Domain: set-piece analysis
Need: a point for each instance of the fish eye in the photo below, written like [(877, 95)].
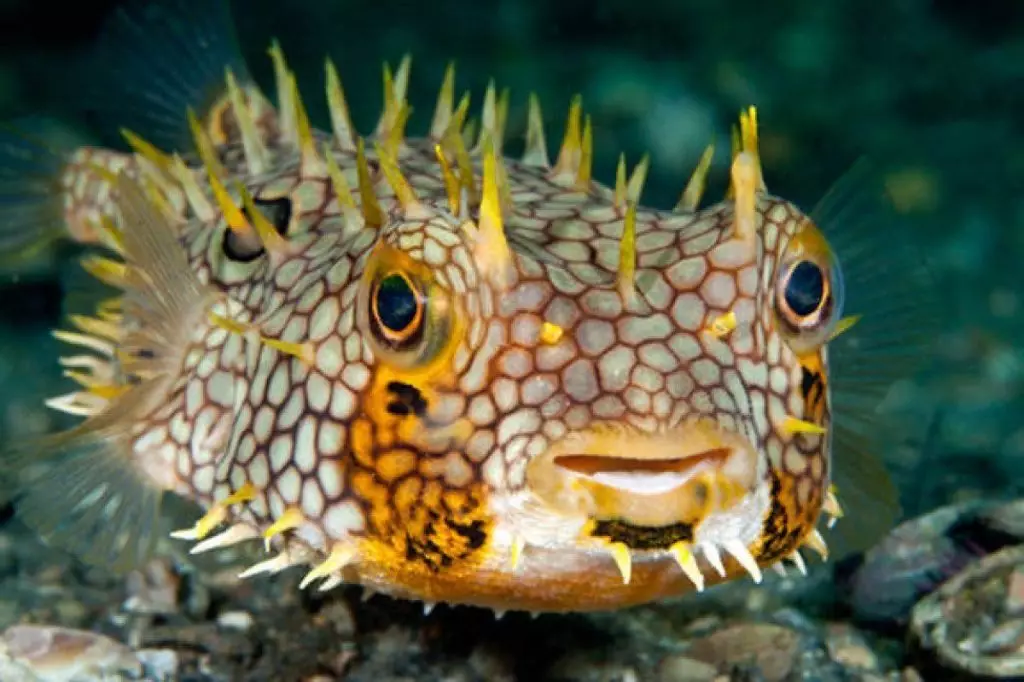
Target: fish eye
[(804, 300), (245, 248), (397, 310), (808, 291), (804, 290), (411, 321)]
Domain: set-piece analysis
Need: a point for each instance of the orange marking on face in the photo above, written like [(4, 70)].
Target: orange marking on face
[(407, 494), (366, 486), (816, 403), (394, 464), (362, 442)]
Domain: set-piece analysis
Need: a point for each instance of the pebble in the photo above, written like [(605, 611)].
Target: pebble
[(55, 654), (153, 589), (848, 647), (684, 669), (160, 665), (235, 620), (772, 649), (964, 626)]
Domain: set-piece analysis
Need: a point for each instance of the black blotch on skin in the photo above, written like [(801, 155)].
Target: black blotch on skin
[(473, 532), (812, 386), (277, 211), (809, 382), (643, 537), (778, 538), (428, 553), (407, 400)]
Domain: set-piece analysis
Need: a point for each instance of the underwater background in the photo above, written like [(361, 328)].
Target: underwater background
[(930, 91)]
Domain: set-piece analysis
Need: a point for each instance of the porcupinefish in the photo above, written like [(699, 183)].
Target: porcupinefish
[(423, 366)]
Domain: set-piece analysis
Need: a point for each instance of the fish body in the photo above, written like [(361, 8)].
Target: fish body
[(423, 366)]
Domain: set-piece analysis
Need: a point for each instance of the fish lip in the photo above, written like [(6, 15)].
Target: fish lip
[(617, 472), (644, 476)]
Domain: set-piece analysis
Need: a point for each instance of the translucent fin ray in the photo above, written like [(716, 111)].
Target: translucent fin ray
[(160, 58), (31, 194), (85, 488), (887, 282)]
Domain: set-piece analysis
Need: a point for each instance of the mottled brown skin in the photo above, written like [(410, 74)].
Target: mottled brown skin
[(430, 464)]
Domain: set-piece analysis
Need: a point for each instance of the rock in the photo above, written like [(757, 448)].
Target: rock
[(152, 589), (54, 654), (490, 663), (918, 555), (159, 664), (969, 626), (685, 669), (770, 649), (235, 620), (848, 647)]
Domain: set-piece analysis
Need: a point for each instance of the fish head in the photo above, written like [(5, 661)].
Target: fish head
[(518, 395), (690, 419)]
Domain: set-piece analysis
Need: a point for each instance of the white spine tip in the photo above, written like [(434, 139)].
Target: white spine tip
[(714, 558), (745, 559)]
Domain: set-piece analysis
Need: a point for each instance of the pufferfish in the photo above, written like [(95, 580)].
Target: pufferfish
[(420, 365)]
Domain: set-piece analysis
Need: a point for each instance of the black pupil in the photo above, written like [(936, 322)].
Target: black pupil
[(277, 211), (805, 288), (247, 249), (396, 303)]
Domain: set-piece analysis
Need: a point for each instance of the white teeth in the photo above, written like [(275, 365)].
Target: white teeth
[(233, 535), (642, 482), (428, 607), (713, 557), (742, 555), (798, 561)]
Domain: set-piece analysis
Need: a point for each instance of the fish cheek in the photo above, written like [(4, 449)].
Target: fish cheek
[(421, 519), (814, 388), (799, 478)]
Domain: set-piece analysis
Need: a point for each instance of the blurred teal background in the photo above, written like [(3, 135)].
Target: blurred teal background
[(929, 90)]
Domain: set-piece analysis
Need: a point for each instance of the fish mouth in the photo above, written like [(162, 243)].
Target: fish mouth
[(644, 476), (648, 480)]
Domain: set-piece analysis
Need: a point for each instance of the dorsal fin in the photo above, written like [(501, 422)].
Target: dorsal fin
[(157, 59)]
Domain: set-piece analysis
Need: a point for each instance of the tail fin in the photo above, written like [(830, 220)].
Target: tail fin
[(54, 188), (32, 185), (96, 489)]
